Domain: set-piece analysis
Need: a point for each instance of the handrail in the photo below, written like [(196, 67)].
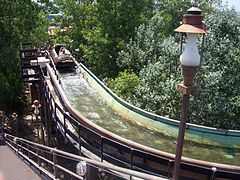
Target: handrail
[(31, 147)]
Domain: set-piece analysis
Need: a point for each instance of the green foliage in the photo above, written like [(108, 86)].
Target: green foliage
[(157, 91), (155, 59), (219, 77), (144, 49), (86, 32), (47, 6), (124, 84), (157, 88), (17, 21), (102, 28), (11, 92), (172, 12), (39, 35)]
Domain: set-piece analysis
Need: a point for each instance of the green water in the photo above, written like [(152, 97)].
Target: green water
[(86, 101)]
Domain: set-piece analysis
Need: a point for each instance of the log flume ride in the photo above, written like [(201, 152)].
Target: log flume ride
[(84, 129)]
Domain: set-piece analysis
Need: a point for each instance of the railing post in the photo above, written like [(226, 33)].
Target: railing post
[(48, 116), (38, 159), (16, 142), (64, 124), (131, 158), (55, 110), (101, 149), (79, 139), (213, 172), (131, 161), (54, 163), (169, 168), (46, 113)]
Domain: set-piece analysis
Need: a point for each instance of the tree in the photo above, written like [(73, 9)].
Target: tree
[(154, 57), (119, 20), (218, 104), (172, 11), (17, 21), (101, 29), (144, 48), (39, 35), (157, 87), (85, 32)]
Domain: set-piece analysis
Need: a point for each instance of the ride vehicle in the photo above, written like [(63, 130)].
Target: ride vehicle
[(61, 56)]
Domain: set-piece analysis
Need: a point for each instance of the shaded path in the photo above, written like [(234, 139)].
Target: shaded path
[(12, 167)]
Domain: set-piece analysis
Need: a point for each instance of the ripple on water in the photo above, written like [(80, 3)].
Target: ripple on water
[(85, 108), (93, 115), (118, 122), (85, 99), (229, 156)]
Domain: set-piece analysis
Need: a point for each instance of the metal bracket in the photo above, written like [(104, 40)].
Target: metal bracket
[(189, 90)]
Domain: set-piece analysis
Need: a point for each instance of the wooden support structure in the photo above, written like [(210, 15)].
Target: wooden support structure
[(30, 73)]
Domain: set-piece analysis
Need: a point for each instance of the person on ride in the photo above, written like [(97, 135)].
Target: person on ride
[(64, 51)]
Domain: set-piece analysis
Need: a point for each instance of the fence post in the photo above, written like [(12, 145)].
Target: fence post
[(169, 168), (15, 140), (46, 114), (49, 118), (213, 172), (38, 159), (131, 159), (55, 110), (54, 163), (79, 139), (64, 124), (101, 149)]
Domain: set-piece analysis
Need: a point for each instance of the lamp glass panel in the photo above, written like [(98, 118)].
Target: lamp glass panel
[(190, 56)]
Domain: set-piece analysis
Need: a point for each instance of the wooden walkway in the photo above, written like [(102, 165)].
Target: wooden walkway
[(12, 167)]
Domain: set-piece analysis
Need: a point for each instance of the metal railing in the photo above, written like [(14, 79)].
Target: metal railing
[(53, 163)]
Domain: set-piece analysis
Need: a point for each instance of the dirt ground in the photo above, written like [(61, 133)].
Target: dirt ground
[(26, 127)]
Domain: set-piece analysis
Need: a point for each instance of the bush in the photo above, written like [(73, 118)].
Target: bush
[(124, 85)]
